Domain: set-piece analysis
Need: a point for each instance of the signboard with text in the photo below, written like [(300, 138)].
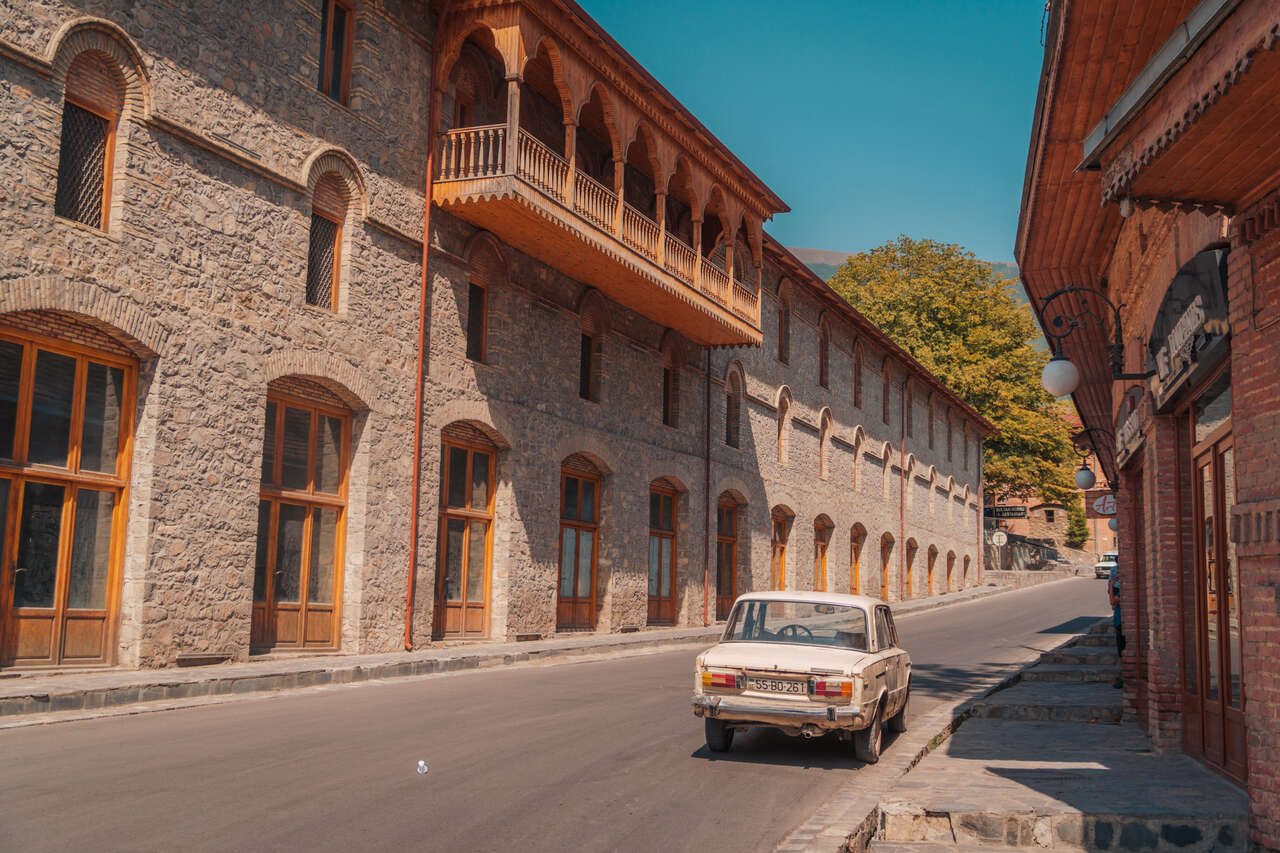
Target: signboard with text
[(1099, 503), (1005, 512)]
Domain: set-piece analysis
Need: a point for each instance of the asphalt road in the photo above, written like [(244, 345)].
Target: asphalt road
[(579, 756)]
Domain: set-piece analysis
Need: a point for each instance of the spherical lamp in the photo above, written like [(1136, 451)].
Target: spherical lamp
[(1085, 478), (1060, 377), (1113, 524)]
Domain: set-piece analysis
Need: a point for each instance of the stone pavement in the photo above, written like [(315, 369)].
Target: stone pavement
[(29, 697), (1044, 764)]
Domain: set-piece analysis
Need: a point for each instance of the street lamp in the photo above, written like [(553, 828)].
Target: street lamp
[(1060, 376), (1085, 477), (1085, 446)]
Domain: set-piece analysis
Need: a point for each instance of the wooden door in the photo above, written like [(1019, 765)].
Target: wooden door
[(778, 561), (579, 532), (465, 540), (662, 556), (65, 438), (301, 525), (726, 558)]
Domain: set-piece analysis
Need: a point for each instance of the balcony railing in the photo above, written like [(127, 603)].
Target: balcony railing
[(481, 152)]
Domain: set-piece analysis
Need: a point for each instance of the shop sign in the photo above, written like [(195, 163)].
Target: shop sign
[(1191, 320), (1005, 512), (1103, 506), (1129, 424)]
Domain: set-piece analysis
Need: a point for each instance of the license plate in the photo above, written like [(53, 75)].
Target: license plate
[(777, 685)]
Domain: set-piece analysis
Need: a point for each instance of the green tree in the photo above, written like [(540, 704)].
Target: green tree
[(968, 327), (1077, 524)]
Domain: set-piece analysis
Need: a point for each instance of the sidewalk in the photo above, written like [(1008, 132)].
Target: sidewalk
[(1045, 765), (48, 694)]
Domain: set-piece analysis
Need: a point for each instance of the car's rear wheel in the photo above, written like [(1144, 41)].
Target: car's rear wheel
[(898, 722), (866, 743), (719, 736)]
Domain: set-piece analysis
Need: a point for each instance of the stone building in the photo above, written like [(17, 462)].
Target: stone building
[(1153, 189), (243, 408)]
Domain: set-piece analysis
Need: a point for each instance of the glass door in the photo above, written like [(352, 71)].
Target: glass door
[(466, 526), (662, 556), (726, 558), (579, 526), (64, 439)]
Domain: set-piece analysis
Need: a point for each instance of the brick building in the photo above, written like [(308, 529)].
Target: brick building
[(242, 408), (1153, 181)]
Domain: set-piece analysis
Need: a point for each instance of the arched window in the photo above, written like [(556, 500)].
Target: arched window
[(337, 24), (670, 392), (949, 436), (784, 423), (933, 558), (951, 565), (824, 444), (824, 353), (733, 410), (908, 408), (301, 514), (90, 111), (857, 375), (486, 270), (929, 429), (324, 258), (910, 555), (884, 390), (886, 554), (593, 313)]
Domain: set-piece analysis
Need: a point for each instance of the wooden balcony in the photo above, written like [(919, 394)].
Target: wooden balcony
[(571, 222)]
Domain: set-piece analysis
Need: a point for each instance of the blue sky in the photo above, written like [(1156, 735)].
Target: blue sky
[(868, 119)]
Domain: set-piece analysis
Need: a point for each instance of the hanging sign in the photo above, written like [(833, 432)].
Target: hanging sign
[(1005, 512), (1129, 424), (1192, 320), (1102, 505)]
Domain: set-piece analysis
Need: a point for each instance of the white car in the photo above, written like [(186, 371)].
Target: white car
[(806, 663), (1102, 568)]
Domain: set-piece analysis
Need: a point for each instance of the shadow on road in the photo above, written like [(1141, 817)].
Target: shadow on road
[(769, 746)]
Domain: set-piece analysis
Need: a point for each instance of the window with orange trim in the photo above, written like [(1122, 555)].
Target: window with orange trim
[(337, 27)]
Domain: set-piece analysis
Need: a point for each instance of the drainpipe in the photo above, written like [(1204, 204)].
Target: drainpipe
[(433, 120), (706, 491)]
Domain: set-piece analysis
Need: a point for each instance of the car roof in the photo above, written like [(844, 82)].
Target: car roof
[(864, 601)]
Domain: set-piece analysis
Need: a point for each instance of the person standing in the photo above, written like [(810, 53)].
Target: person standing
[(1113, 595)]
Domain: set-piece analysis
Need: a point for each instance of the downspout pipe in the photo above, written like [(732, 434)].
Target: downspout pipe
[(706, 491), (433, 120)]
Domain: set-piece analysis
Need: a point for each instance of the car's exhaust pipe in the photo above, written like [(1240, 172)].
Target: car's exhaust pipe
[(810, 732)]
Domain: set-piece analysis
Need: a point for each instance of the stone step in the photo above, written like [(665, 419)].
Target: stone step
[(1103, 626), (906, 828), (1064, 702), (1069, 672), (1081, 656), (1094, 640)]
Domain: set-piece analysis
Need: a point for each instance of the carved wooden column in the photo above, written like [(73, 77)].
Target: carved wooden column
[(660, 204), (513, 124), (619, 171), (571, 157)]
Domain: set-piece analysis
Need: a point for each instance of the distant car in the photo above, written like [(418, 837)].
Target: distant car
[(807, 664), (1102, 568)]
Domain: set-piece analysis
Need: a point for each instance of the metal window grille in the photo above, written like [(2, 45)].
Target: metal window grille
[(324, 238), (81, 166)]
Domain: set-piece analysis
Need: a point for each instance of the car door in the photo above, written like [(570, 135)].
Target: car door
[(893, 659)]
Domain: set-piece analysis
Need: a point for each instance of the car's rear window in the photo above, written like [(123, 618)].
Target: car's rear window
[(800, 622)]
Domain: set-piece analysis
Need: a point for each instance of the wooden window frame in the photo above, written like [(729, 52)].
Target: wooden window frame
[(276, 495), (821, 545), (19, 471), (578, 524), (326, 50), (729, 541), (467, 514), (779, 534), (108, 156), (337, 260), (856, 542)]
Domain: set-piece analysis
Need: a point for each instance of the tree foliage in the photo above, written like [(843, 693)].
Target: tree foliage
[(966, 325), (1077, 523)]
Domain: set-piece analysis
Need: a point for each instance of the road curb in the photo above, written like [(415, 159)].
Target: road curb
[(142, 686)]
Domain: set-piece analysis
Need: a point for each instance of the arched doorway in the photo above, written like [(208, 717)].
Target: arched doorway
[(66, 430), (580, 480), (951, 564), (781, 527), (663, 522), (728, 512), (468, 483), (822, 528), (933, 558), (909, 568), (302, 505), (857, 538), (886, 554)]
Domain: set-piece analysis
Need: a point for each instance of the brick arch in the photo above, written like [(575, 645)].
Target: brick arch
[(593, 310), (478, 414), (339, 376), (587, 463), (55, 293), (330, 160), (732, 490), (486, 263), (110, 41), (555, 58), (588, 445)]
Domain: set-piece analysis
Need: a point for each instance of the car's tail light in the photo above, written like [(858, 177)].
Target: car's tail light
[(841, 689), (722, 680)]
